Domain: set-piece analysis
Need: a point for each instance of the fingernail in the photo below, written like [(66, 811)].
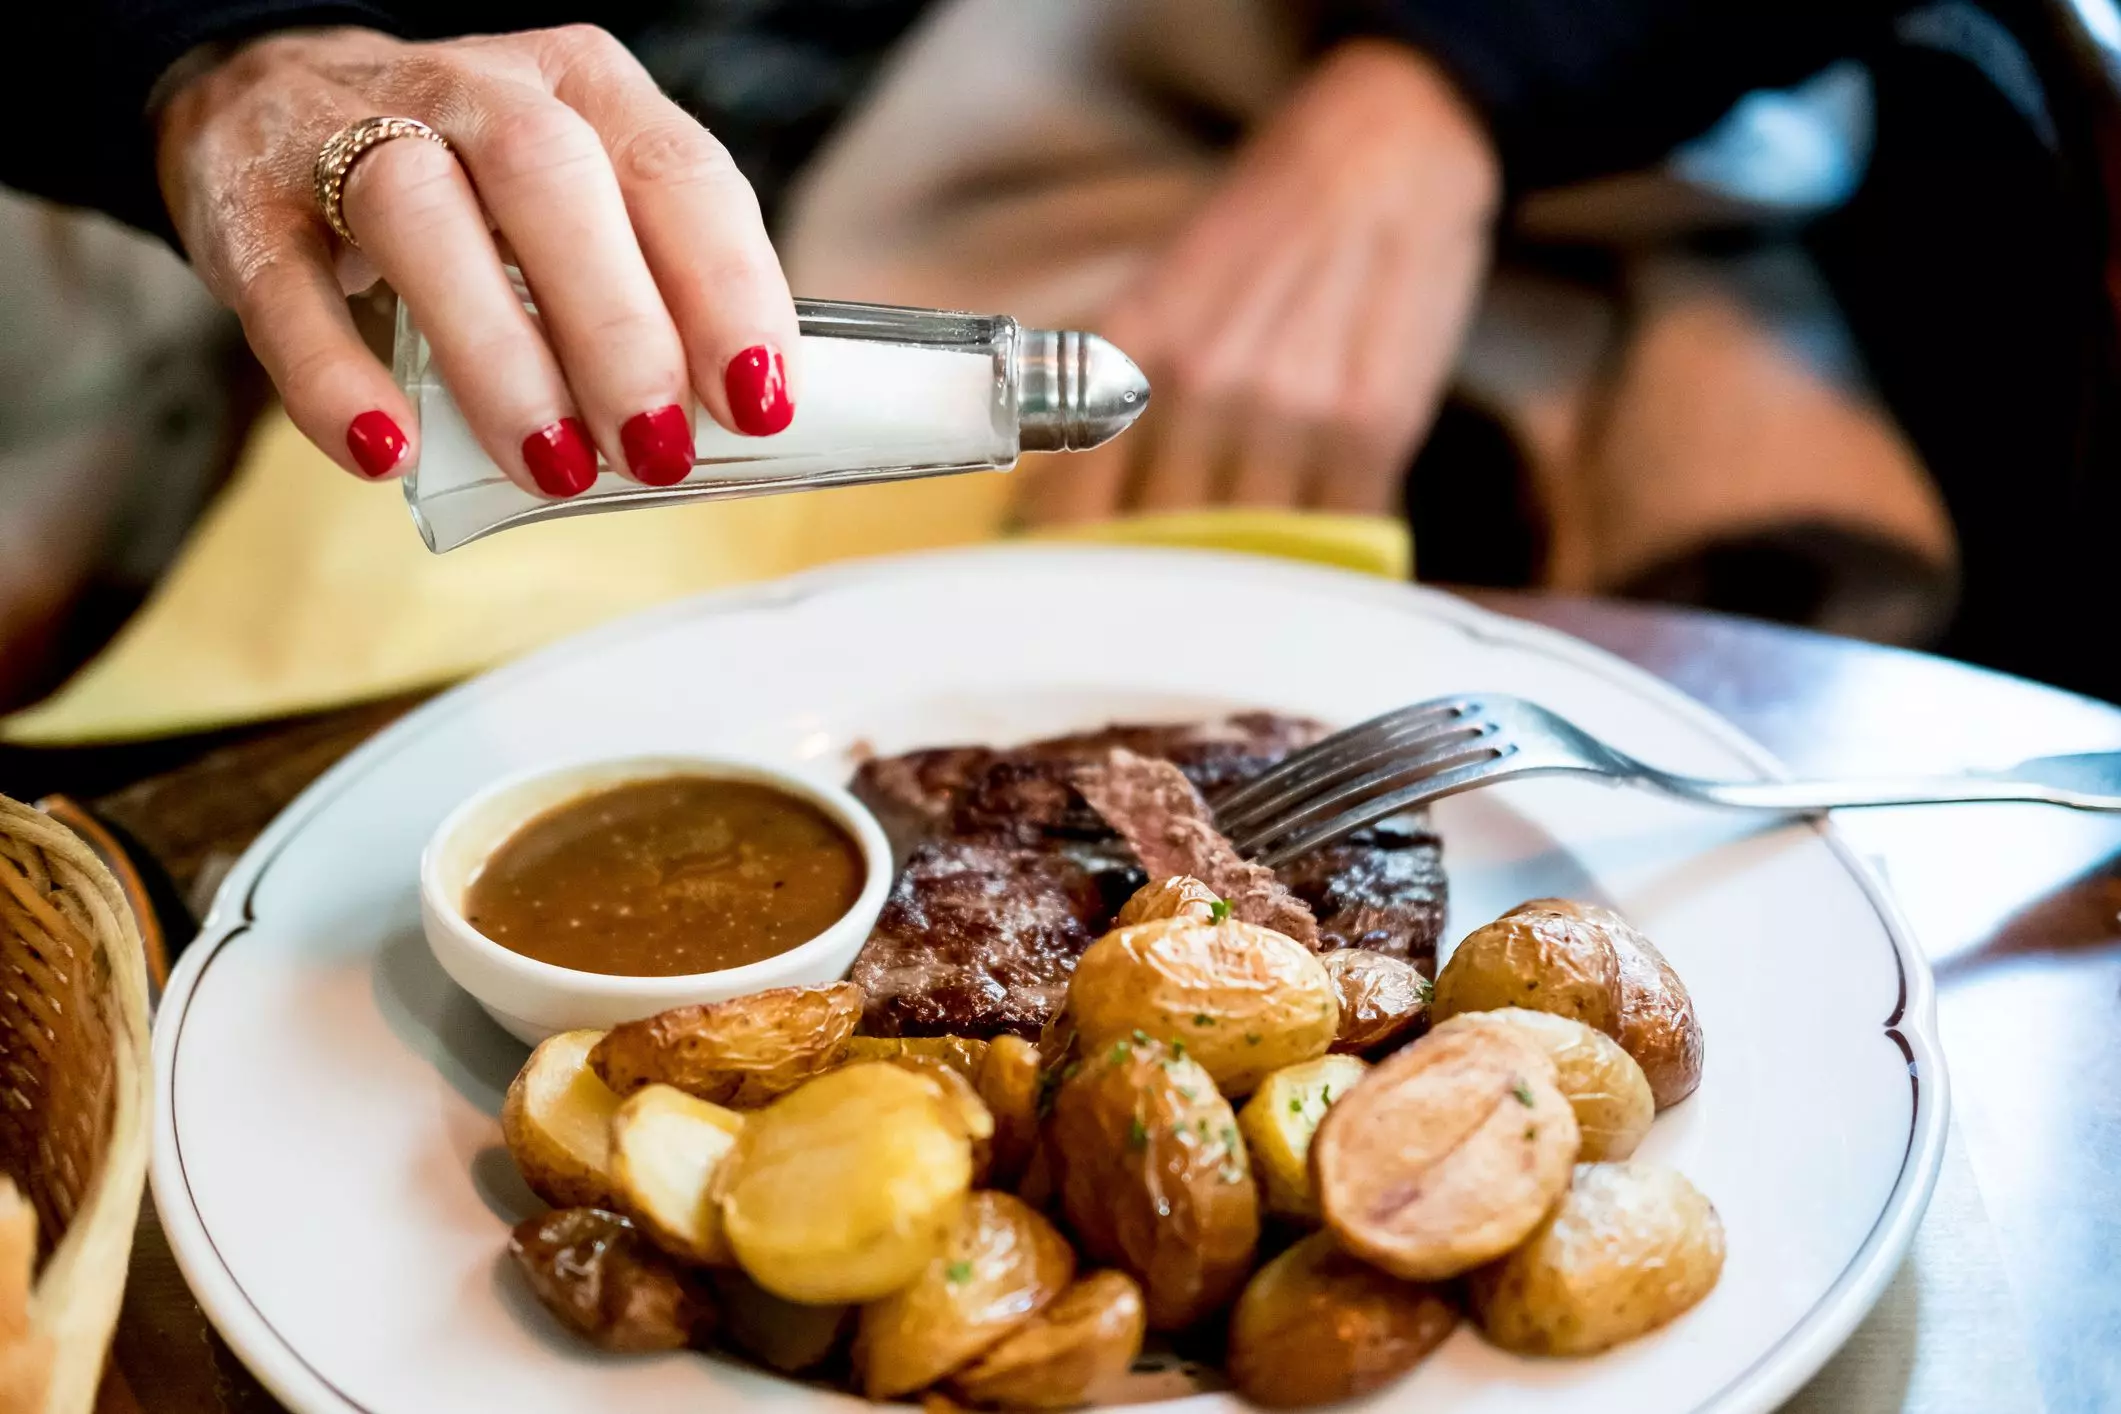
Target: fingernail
[(658, 446), (377, 443), (757, 383), (560, 458)]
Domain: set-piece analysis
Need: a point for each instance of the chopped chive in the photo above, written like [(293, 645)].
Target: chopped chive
[(1296, 1104), (1201, 1018), (1523, 1092), (1219, 911), (1120, 1051), (1137, 1134), (1252, 1038), (958, 1273)]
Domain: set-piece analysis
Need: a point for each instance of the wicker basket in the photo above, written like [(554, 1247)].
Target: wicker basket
[(74, 1085)]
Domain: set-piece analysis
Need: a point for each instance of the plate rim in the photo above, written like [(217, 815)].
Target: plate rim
[(1774, 1376)]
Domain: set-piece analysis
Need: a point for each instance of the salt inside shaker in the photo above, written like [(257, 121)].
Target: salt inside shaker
[(888, 394)]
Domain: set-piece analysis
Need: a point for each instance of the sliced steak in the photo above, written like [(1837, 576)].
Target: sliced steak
[(1381, 889), (1163, 819), (978, 938)]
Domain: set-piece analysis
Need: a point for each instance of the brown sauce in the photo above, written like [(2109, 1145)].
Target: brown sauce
[(666, 877)]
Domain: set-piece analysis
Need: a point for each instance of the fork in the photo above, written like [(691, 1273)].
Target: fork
[(1407, 759)]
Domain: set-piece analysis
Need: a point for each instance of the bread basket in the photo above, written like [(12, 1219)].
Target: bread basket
[(74, 1085)]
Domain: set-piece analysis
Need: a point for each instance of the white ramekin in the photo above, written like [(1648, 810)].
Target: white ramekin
[(534, 999)]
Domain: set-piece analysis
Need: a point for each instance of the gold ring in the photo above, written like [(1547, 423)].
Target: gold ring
[(345, 147)]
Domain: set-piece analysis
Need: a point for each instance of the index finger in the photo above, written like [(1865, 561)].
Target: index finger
[(699, 225)]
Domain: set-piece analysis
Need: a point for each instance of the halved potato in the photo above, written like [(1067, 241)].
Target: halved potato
[(1244, 1001), (667, 1150), (844, 1189), (1278, 1122), (740, 1053), (1001, 1265), (1606, 1089), (1180, 896), (963, 1054), (965, 1103), (1628, 1248), (1316, 1326), (556, 1122), (1067, 1354), (1447, 1154), (1383, 1000)]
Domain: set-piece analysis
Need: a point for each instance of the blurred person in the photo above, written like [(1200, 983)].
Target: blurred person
[(1301, 321)]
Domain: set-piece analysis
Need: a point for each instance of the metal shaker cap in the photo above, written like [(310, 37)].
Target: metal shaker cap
[(1074, 391)]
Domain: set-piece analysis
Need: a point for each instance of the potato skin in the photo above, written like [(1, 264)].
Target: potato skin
[(1538, 958), (1180, 896), (1629, 1248), (1604, 1086), (1383, 1000), (1315, 1326), (1066, 1354), (783, 1335), (963, 1054), (556, 1122), (1154, 1178), (1008, 1083), (1001, 1265), (1245, 1000), (740, 1053), (1446, 1155), (604, 1281), (1657, 1024), (1278, 1122), (843, 1190)]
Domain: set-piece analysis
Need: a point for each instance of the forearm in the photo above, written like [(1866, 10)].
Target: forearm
[(1579, 88)]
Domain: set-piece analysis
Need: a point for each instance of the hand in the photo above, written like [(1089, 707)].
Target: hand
[(1298, 332), (643, 243)]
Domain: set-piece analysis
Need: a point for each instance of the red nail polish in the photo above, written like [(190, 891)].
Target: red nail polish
[(757, 383), (658, 446), (560, 458), (377, 443)]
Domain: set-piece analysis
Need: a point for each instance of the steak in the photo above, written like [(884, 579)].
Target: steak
[(1171, 831), (1009, 873)]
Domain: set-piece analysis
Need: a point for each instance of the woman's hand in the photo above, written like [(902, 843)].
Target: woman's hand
[(652, 270), (1298, 332)]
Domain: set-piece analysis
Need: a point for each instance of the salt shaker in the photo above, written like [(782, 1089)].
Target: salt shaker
[(887, 395)]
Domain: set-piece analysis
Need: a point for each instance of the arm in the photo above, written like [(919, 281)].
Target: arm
[(1580, 88)]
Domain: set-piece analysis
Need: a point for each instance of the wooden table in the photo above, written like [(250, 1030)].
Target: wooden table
[(2012, 1299)]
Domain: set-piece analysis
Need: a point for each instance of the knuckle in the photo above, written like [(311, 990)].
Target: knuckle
[(675, 150), (584, 46), (531, 140)]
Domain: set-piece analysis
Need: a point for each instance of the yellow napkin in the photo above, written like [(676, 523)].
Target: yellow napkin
[(303, 589)]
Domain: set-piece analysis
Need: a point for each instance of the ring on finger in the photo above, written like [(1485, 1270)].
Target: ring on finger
[(336, 159)]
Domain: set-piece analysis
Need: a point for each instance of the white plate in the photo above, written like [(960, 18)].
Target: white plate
[(327, 1161)]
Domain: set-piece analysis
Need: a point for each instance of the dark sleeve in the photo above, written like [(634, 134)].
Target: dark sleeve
[(1581, 88)]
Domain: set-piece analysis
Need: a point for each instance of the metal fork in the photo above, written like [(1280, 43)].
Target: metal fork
[(1405, 760)]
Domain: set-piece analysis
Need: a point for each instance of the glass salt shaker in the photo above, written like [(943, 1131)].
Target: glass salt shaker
[(887, 395)]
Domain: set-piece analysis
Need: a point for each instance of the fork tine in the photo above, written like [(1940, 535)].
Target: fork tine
[(1399, 772), (1401, 725), (1392, 764), (1383, 807)]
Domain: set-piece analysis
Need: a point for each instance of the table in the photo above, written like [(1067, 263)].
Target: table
[(2012, 1298)]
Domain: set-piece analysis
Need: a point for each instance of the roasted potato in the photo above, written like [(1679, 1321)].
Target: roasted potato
[(843, 1190), (1278, 1122), (1316, 1326), (1446, 1155), (1001, 1265), (1657, 1022), (556, 1122), (1629, 1248), (965, 1103), (1009, 1084), (963, 1054), (1603, 1084), (788, 1336), (1180, 896), (1067, 1354), (1153, 1177), (740, 1053), (667, 1149), (1539, 959), (604, 1281), (1382, 999), (1245, 1000)]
